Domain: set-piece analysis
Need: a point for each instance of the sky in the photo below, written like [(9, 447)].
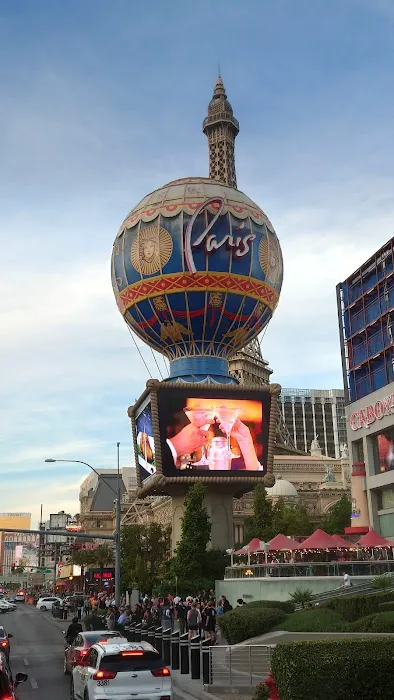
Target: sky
[(101, 103)]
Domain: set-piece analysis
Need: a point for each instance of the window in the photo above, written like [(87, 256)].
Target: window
[(384, 452), (385, 499), (386, 523), (358, 451)]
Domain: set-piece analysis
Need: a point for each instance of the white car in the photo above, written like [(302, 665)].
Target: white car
[(5, 606), (121, 671), (47, 602)]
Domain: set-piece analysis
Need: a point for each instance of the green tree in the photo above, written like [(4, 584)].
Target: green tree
[(338, 517), (190, 558), (144, 553), (260, 524), (103, 556)]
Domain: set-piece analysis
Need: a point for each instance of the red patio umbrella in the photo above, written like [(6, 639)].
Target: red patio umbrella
[(281, 543), (319, 540), (253, 547), (372, 539), (341, 543)]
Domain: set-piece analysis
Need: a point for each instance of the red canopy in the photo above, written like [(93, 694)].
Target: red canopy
[(282, 543), (341, 543), (319, 540), (251, 548), (372, 539)]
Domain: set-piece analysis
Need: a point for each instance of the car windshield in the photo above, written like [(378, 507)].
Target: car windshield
[(127, 662), (3, 633)]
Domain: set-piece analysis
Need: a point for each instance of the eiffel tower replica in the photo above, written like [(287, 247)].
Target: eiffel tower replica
[(221, 129)]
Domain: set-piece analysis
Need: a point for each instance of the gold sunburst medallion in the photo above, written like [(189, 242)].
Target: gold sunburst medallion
[(270, 258), (151, 250)]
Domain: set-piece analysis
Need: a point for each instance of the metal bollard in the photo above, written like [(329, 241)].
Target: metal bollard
[(151, 635), (144, 634), (159, 641), (132, 632), (167, 646), (184, 650), (205, 647), (137, 632), (175, 651), (195, 657)]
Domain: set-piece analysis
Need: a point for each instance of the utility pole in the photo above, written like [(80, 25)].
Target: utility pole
[(117, 530)]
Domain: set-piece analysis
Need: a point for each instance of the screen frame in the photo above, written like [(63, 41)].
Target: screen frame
[(239, 479)]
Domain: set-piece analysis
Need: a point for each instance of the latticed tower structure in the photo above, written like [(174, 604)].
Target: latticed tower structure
[(221, 129)]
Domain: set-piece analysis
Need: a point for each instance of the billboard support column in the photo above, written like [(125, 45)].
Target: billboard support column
[(220, 510)]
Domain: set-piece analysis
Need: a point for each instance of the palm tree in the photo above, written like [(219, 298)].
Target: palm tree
[(103, 556), (83, 558), (302, 596)]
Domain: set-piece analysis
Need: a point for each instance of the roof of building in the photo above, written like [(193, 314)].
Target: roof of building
[(282, 489)]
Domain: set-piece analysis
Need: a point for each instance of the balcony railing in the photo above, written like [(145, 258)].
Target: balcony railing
[(334, 568)]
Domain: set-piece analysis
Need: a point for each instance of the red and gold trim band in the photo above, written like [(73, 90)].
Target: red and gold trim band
[(197, 282)]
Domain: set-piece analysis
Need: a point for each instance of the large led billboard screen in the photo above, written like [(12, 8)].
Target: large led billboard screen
[(211, 431)]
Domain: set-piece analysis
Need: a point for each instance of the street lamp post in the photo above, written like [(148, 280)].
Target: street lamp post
[(117, 513)]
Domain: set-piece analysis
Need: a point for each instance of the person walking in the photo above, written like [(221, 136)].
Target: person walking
[(193, 620), (210, 622), (110, 619)]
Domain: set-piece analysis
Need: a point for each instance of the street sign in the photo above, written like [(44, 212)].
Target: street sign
[(43, 570)]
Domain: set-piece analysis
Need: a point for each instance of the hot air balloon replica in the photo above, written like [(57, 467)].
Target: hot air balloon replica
[(197, 271)]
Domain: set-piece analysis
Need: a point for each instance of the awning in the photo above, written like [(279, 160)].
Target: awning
[(319, 540), (281, 543), (255, 545), (372, 539), (341, 543)]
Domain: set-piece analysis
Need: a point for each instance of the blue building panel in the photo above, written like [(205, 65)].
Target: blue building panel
[(366, 325)]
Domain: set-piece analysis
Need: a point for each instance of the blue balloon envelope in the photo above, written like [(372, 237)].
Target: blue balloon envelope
[(197, 271)]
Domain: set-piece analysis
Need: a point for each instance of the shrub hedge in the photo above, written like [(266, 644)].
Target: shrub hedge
[(316, 620), (386, 606), (378, 622), (240, 624), (286, 605), (353, 607), (351, 669)]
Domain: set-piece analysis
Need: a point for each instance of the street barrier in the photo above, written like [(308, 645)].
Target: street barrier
[(175, 651), (159, 640), (167, 646), (184, 651), (144, 633), (151, 635), (138, 632), (205, 647), (195, 657)]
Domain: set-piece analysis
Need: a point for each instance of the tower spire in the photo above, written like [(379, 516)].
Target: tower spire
[(221, 129)]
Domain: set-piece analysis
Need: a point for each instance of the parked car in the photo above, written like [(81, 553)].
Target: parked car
[(120, 671), (7, 684), (5, 606), (46, 602), (79, 648), (5, 643)]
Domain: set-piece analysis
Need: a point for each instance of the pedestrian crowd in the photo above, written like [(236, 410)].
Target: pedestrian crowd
[(191, 614)]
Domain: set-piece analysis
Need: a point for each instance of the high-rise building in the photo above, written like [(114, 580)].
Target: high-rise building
[(366, 314), (13, 521), (311, 414)]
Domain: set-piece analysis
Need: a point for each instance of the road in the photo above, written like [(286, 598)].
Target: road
[(37, 649)]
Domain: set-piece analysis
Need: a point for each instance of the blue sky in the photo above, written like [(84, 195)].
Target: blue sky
[(102, 102)]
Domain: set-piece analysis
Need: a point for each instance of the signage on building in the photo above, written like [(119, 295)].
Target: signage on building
[(368, 415)]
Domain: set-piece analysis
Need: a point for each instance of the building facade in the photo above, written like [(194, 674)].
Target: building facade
[(371, 442), (12, 521), (365, 308), (366, 315), (315, 413)]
